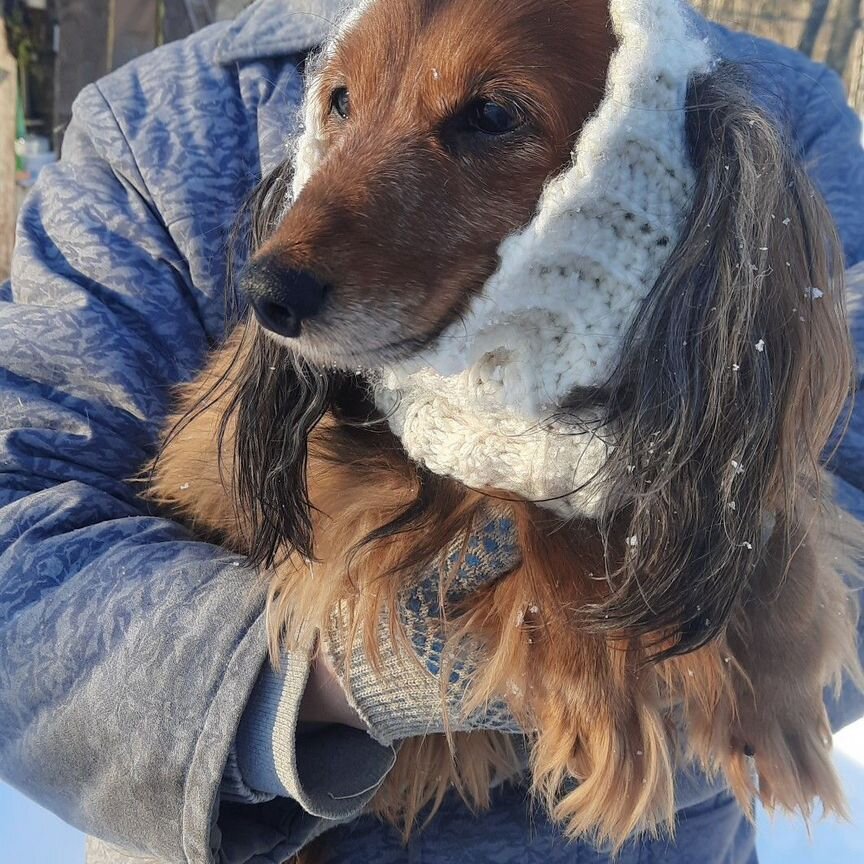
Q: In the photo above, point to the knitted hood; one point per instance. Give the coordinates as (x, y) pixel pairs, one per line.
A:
(480, 404)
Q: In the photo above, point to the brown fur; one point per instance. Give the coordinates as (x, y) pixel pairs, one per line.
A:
(419, 263)
(599, 707)
(403, 220)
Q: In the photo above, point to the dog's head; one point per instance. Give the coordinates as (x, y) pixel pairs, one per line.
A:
(461, 199)
(431, 129)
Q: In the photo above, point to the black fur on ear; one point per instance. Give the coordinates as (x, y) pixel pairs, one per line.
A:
(258, 217)
(270, 400)
(731, 379)
(276, 401)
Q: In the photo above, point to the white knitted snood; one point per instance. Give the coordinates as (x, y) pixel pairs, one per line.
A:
(479, 404)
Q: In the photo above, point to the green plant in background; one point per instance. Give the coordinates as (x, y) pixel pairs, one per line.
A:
(22, 49)
(20, 43)
(160, 22)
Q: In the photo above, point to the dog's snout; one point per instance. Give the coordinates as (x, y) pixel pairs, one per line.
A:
(282, 298)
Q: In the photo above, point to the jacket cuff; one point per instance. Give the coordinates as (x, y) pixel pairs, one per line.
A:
(331, 771)
(234, 787)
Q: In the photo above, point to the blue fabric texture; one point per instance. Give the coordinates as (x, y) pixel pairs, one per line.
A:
(128, 649)
(712, 831)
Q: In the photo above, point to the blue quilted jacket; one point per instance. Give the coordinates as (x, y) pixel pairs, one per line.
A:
(127, 648)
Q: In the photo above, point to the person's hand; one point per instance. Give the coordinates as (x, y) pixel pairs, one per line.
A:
(324, 699)
(402, 697)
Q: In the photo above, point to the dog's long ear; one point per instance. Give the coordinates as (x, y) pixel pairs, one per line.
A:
(733, 376)
(276, 401)
(266, 401)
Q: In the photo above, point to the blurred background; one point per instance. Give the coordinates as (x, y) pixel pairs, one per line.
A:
(50, 49)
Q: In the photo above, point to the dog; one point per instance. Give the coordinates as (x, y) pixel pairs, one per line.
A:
(683, 597)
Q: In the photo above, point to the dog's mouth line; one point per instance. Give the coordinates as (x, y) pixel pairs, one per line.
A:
(340, 345)
(390, 352)
(369, 359)
(338, 342)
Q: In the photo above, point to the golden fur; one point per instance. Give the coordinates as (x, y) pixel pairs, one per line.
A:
(610, 703)
(599, 707)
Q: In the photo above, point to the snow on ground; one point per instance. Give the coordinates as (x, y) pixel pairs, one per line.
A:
(31, 835)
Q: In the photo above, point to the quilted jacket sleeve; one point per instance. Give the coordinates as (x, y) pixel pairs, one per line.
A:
(830, 136)
(127, 649)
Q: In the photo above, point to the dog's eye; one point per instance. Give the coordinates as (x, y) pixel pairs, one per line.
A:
(490, 118)
(340, 102)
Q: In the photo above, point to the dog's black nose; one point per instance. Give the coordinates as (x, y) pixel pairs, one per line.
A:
(281, 298)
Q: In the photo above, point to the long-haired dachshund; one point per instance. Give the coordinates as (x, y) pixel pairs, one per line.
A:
(691, 606)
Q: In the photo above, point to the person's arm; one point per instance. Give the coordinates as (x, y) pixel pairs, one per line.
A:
(829, 134)
(136, 699)
(324, 699)
(128, 650)
(354, 723)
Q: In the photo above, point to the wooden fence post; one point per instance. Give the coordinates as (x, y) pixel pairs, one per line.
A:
(8, 191)
(829, 31)
(855, 65)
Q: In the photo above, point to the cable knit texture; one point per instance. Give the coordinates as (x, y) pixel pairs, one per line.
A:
(479, 404)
